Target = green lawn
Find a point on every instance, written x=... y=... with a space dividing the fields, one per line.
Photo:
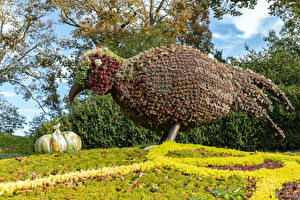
x=11 y=146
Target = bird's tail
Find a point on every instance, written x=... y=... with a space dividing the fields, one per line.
x=263 y=83
x=248 y=96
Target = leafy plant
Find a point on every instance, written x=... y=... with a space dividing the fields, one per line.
x=235 y=195
x=196 y=198
x=10 y=119
x=99 y=123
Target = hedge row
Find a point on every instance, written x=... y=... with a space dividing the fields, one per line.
x=100 y=124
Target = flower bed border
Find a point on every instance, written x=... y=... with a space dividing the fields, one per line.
x=268 y=180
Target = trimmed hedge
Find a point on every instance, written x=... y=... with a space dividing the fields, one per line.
x=99 y=123
x=239 y=131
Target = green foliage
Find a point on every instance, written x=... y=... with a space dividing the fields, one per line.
x=141 y=41
x=12 y=146
x=239 y=131
x=100 y=124
x=236 y=194
x=46 y=164
x=155 y=184
x=10 y=119
x=198 y=153
x=280 y=62
x=195 y=198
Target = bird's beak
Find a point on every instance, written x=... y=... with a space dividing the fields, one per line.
x=75 y=89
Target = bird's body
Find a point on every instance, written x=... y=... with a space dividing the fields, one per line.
x=178 y=85
x=173 y=84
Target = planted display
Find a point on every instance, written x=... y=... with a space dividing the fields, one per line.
x=176 y=87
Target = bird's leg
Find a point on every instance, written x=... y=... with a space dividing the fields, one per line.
x=168 y=136
x=171 y=135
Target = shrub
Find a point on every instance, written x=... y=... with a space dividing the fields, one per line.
x=100 y=124
x=239 y=131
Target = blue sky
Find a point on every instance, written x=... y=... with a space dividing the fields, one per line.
x=229 y=35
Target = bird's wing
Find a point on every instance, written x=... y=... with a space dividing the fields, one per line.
x=190 y=79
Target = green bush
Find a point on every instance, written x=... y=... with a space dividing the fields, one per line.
x=239 y=131
x=100 y=124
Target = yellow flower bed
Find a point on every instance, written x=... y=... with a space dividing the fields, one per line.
x=73 y=176
x=268 y=180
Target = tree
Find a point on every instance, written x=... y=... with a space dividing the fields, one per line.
x=28 y=57
x=10 y=119
x=110 y=21
x=286 y=9
x=279 y=61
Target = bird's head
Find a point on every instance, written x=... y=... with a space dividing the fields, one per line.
x=96 y=71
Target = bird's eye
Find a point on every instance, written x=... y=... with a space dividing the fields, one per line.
x=98 y=62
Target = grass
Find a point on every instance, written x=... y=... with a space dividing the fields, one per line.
x=154 y=183
x=46 y=164
x=11 y=146
x=198 y=153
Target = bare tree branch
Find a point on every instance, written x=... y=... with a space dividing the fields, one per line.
x=160 y=6
x=74 y=23
x=26 y=72
x=5 y=70
x=151 y=19
x=25 y=87
x=145 y=10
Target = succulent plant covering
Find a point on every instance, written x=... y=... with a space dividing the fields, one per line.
x=176 y=85
x=90 y=61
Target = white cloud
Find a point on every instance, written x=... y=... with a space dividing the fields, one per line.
x=252 y=20
x=222 y=36
x=8 y=94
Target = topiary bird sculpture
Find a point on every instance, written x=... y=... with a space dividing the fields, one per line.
x=176 y=87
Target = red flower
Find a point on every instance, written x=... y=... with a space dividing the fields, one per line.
x=104 y=56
